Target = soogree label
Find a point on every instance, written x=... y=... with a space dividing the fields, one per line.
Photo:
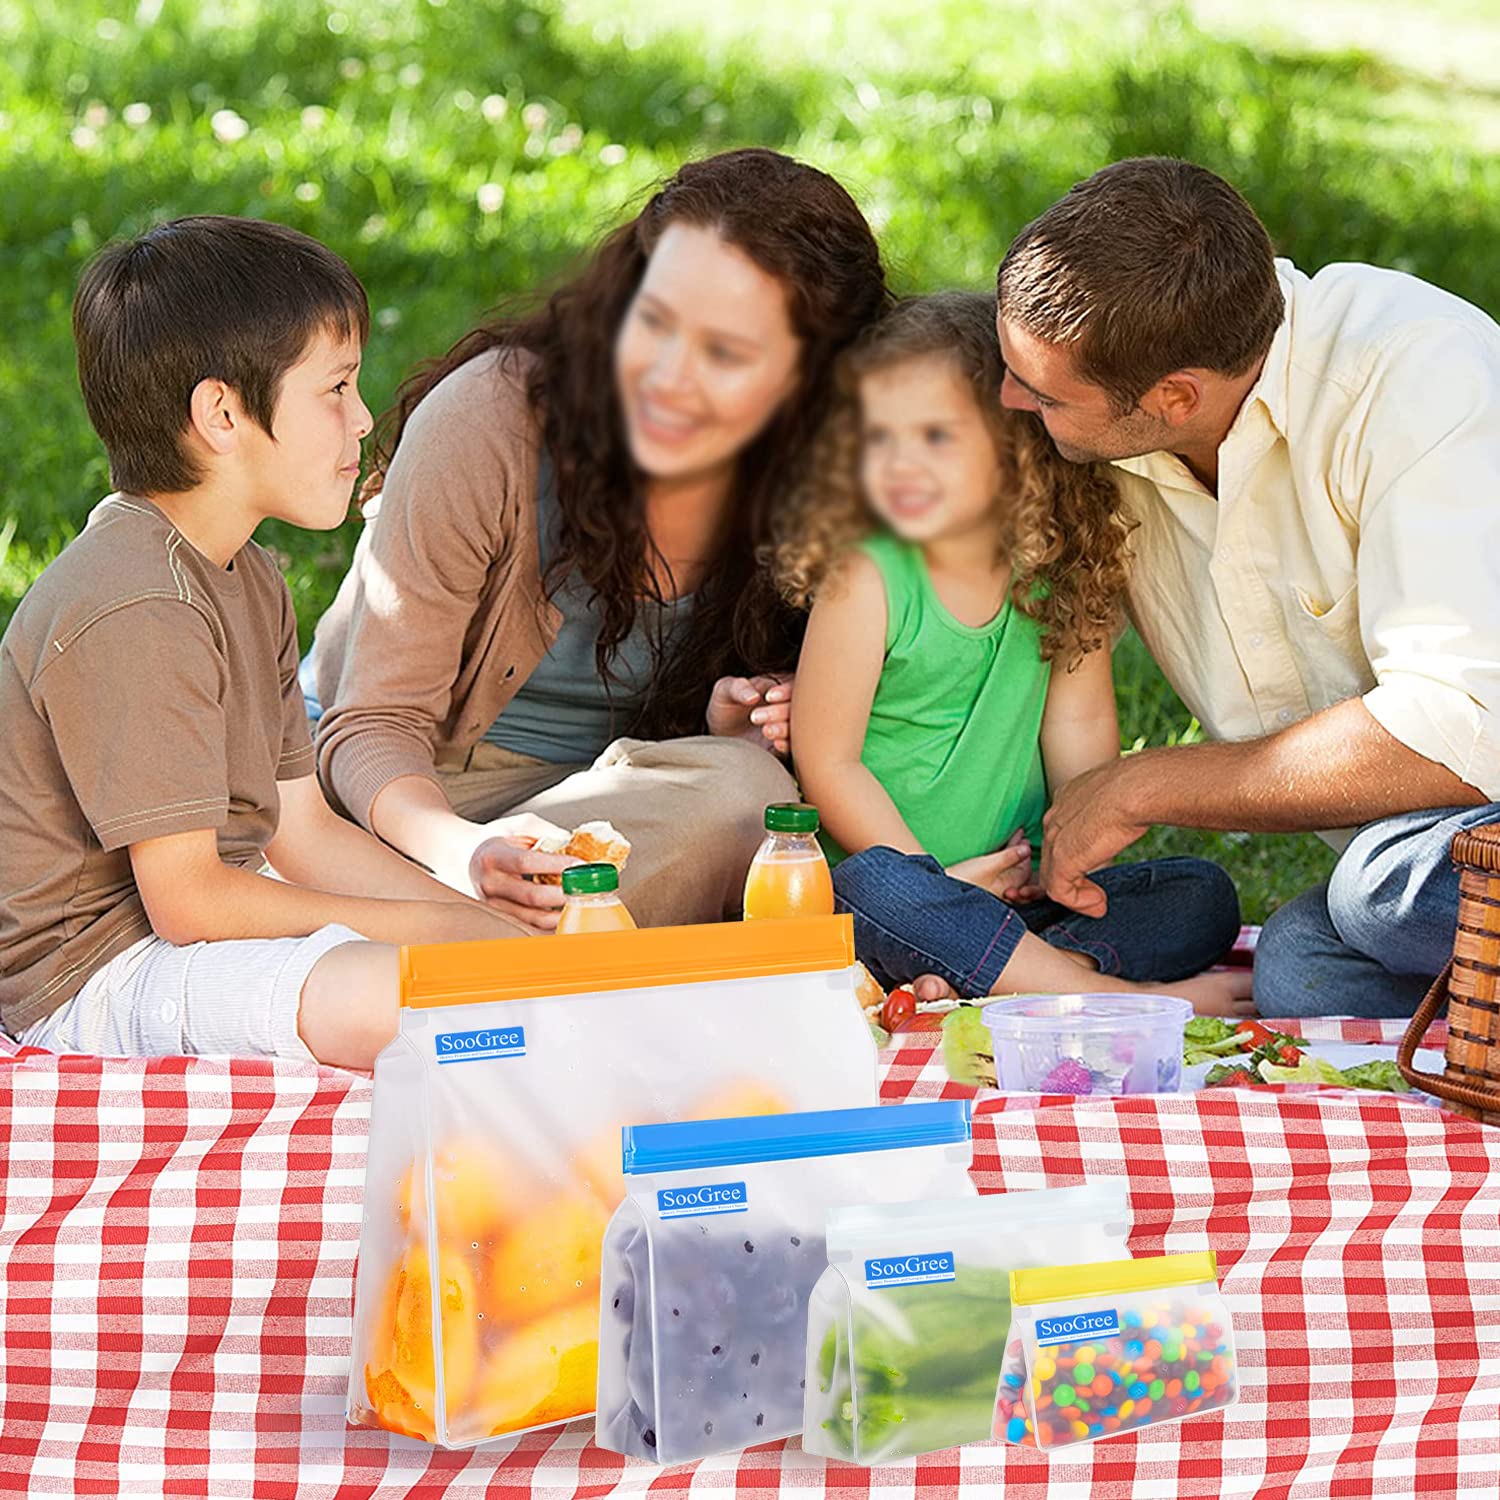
x=708 y=1198
x=1086 y=1325
x=471 y=1046
x=909 y=1270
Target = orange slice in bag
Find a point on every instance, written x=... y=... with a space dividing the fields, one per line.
x=546 y=1371
x=479 y=1194
x=400 y=1378
x=550 y=1257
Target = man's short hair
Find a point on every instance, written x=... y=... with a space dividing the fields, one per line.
x=1149 y=266
x=211 y=297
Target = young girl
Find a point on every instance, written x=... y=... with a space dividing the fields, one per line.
x=964 y=580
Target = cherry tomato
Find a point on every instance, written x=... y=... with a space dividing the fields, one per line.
x=1289 y=1056
x=1254 y=1036
x=900 y=1005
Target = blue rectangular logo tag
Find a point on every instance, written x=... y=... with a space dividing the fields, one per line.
x=910 y=1270
x=707 y=1198
x=1104 y=1323
x=472 y=1046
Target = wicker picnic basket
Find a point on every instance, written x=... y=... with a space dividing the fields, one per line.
x=1471 y=987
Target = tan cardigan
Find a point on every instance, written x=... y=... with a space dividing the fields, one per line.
x=441 y=616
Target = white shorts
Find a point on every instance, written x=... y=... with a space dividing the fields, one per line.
x=239 y=997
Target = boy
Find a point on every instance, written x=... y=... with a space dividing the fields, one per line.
x=171 y=879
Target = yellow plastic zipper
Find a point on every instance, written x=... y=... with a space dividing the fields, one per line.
x=1105 y=1278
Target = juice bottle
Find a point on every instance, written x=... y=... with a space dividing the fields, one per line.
x=789 y=876
x=593 y=903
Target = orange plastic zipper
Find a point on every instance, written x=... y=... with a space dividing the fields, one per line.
x=434 y=974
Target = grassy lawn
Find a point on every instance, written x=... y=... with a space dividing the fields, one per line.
x=458 y=152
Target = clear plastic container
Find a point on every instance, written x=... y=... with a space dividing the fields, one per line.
x=789 y=875
x=1088 y=1044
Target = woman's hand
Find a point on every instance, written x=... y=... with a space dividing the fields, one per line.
x=758 y=709
x=1005 y=873
x=501 y=861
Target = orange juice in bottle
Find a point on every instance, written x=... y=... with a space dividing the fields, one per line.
x=789 y=875
x=593 y=903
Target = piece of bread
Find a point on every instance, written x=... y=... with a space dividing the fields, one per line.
x=598 y=842
x=868 y=992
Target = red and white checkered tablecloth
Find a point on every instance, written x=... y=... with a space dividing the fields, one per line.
x=178 y=1241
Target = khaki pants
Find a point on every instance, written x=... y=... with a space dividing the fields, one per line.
x=692 y=809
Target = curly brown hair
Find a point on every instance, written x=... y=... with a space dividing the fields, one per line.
x=1065 y=527
x=802 y=227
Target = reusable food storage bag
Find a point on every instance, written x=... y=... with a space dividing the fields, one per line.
x=907 y=1327
x=709 y=1261
x=1114 y=1347
x=494 y=1159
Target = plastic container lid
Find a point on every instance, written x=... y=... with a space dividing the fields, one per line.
x=590 y=880
x=791 y=817
x=695 y=1145
x=1033 y=1016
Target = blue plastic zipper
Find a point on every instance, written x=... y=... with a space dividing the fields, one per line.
x=693 y=1145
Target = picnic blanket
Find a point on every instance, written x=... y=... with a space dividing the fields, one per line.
x=177 y=1250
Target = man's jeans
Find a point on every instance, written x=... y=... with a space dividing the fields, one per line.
x=1372 y=939
x=1167 y=918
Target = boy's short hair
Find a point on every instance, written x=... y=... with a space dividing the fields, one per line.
x=1150 y=265
x=209 y=297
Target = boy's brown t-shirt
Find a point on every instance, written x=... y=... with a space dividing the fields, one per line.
x=143 y=691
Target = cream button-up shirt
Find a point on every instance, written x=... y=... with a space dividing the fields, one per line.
x=1354 y=547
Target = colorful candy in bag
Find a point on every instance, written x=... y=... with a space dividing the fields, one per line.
x=494 y=1159
x=709 y=1262
x=1101 y=1349
x=907 y=1327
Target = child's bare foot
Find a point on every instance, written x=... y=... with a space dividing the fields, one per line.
x=1223 y=992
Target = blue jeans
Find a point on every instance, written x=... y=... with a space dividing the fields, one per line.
x=1371 y=940
x=1167 y=918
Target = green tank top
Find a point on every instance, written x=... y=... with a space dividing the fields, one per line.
x=955 y=726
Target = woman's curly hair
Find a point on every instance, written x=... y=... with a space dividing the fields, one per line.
x=802 y=227
x=1065 y=528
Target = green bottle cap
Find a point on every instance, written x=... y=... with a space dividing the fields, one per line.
x=590 y=880
x=791 y=817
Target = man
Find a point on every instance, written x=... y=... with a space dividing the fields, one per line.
x=1314 y=464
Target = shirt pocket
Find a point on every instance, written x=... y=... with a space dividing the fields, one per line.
x=1328 y=616
x=1327 y=639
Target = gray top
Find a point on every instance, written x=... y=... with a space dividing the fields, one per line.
x=565 y=712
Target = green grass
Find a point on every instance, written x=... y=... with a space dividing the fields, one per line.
x=375 y=126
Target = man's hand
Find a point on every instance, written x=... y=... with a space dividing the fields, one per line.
x=758 y=709
x=500 y=863
x=1086 y=826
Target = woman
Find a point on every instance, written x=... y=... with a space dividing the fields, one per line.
x=567 y=546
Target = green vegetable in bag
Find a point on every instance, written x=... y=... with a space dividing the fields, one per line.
x=925 y=1362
